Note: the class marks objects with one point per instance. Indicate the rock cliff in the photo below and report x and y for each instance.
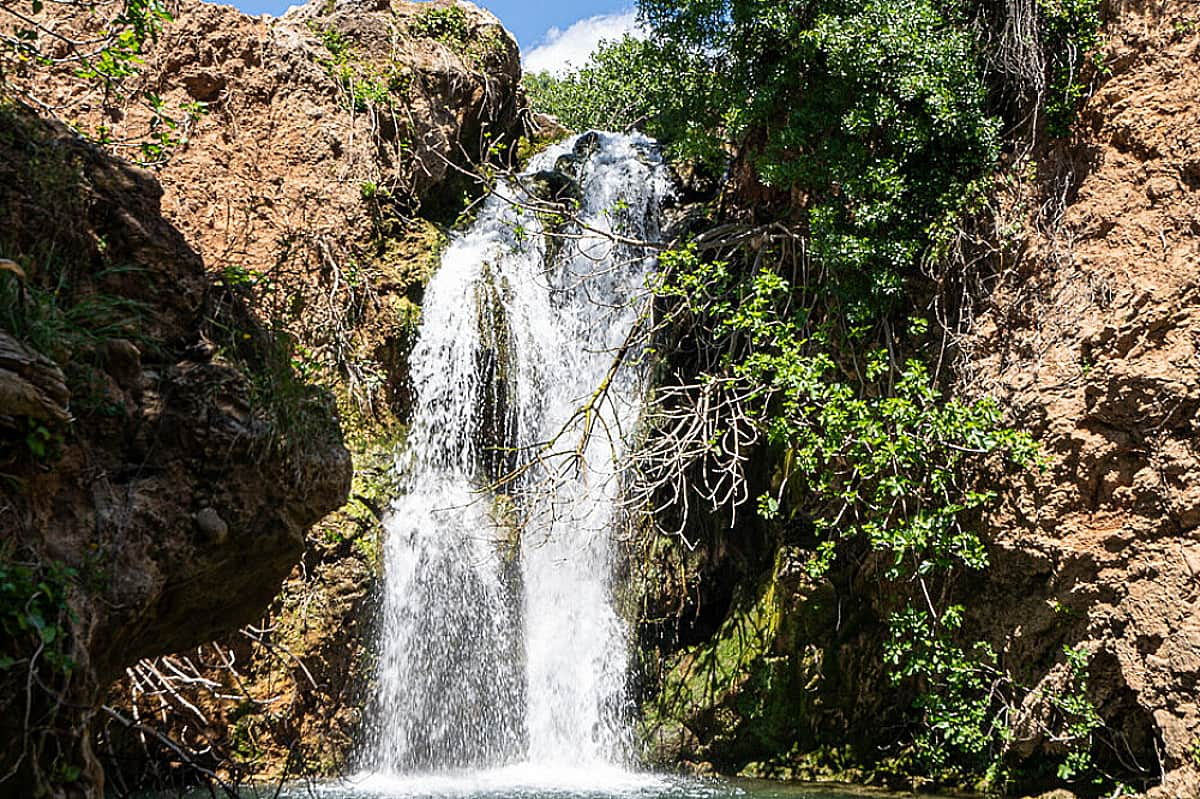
(161, 473)
(159, 465)
(1092, 341)
(308, 152)
(154, 491)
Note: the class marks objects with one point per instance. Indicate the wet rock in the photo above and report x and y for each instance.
(695, 182)
(211, 526)
(683, 222)
(587, 144)
(569, 164)
(670, 743)
(551, 186)
(547, 126)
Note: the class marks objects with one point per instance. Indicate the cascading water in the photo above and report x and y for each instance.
(500, 640)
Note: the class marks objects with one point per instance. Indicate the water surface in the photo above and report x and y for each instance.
(526, 781)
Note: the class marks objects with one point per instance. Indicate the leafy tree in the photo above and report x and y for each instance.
(654, 85)
(874, 109)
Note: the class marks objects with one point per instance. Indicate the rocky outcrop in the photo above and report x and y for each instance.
(160, 465)
(31, 385)
(1093, 343)
(283, 697)
(307, 150)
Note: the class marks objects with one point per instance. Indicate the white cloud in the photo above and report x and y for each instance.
(562, 50)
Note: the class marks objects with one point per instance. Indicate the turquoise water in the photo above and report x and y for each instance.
(520, 782)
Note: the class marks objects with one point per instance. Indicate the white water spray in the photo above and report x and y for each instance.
(500, 640)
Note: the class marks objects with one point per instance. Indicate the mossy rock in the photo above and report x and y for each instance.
(747, 691)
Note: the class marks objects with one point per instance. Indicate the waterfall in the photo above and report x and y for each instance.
(500, 640)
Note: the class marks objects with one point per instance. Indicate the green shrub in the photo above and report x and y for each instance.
(633, 83)
(36, 667)
(447, 24)
(1071, 32)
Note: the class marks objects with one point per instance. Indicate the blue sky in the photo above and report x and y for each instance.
(573, 26)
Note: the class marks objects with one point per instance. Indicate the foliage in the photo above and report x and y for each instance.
(874, 457)
(107, 59)
(631, 83)
(969, 700)
(864, 131)
(1071, 32)
(1079, 714)
(715, 70)
(873, 108)
(34, 614)
(451, 26)
(294, 413)
(962, 717)
(870, 120)
(446, 24)
(64, 320)
(60, 322)
(878, 446)
(36, 663)
(366, 85)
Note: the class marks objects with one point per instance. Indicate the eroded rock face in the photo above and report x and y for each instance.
(1095, 346)
(323, 138)
(147, 438)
